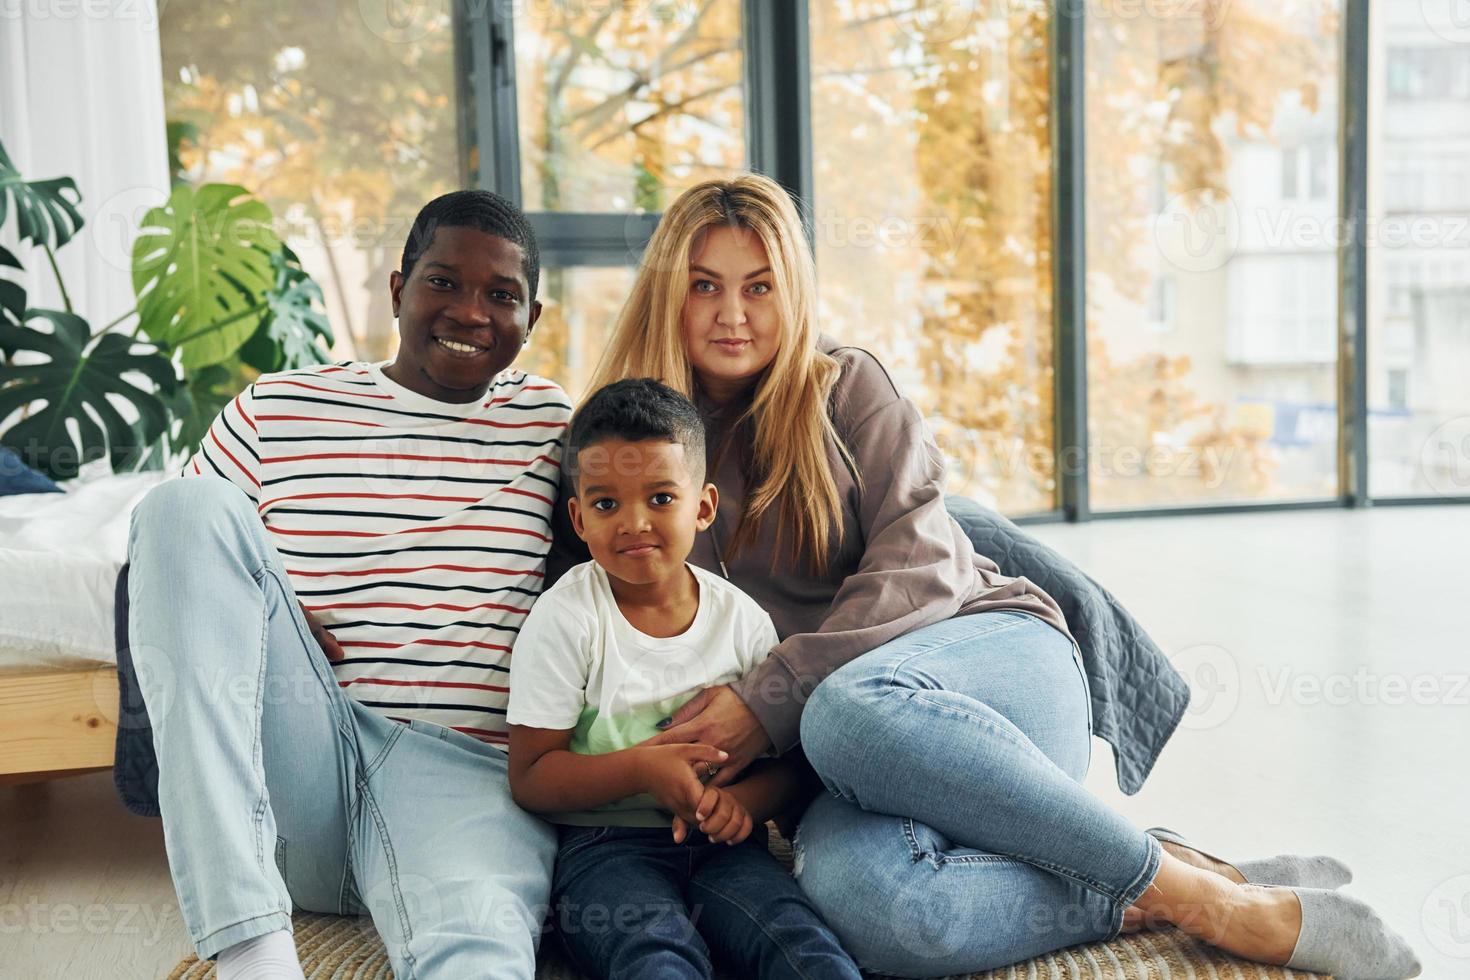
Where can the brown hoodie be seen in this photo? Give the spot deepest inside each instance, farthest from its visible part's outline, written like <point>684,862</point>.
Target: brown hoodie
<point>902,562</point>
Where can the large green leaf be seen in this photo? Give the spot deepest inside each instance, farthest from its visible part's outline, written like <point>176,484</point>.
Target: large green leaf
<point>12,296</point>
<point>202,271</point>
<point>196,404</point>
<point>43,212</point>
<point>288,337</point>
<point>77,384</point>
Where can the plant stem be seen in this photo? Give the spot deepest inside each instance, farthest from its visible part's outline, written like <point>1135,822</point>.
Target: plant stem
<point>56,270</point>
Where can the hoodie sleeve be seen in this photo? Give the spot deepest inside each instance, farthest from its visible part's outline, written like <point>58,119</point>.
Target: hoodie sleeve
<point>913,570</point>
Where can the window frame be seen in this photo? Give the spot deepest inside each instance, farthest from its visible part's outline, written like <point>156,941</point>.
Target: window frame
<point>777,70</point>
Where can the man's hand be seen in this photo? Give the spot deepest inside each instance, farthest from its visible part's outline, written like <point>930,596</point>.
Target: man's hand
<point>672,774</point>
<point>720,817</point>
<point>717,716</point>
<point>323,636</point>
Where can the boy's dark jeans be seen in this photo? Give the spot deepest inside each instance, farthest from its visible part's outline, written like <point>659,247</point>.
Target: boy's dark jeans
<point>629,902</point>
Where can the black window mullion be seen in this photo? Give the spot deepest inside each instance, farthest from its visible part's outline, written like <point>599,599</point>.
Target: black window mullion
<point>1069,257</point>
<point>1352,260</point>
<point>778,103</point>
<point>486,34</point>
<point>587,239</point>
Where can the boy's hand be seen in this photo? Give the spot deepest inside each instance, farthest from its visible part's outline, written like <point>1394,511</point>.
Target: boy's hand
<point>671,774</point>
<point>720,817</point>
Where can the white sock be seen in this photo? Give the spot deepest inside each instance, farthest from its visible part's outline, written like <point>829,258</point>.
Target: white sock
<point>268,957</point>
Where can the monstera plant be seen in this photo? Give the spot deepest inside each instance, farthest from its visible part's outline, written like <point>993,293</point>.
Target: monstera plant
<point>219,298</point>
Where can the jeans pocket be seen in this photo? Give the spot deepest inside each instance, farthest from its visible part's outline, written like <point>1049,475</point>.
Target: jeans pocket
<point>574,840</point>
<point>281,861</point>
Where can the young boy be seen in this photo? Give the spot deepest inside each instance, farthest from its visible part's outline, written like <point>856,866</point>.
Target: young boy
<point>647,851</point>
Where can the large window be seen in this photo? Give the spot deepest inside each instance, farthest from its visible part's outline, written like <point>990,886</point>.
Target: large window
<point>1418,258</point>
<point>345,133</point>
<point>1211,201</point>
<point>622,105</point>
<point>936,171</point>
<point>931,149</point>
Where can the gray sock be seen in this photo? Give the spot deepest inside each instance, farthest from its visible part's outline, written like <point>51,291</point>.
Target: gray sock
<point>1307,870</point>
<point>1344,937</point>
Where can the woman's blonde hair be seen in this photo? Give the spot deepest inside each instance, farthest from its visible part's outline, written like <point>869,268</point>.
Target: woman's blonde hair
<point>788,414</point>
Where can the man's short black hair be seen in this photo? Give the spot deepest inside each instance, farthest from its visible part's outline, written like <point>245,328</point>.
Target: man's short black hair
<point>484,210</point>
<point>636,409</point>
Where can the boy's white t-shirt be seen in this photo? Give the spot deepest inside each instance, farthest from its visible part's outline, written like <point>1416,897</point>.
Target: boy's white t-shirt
<point>578,663</point>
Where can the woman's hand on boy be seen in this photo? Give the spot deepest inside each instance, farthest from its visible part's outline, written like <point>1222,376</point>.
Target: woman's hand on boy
<point>717,716</point>
<point>674,774</point>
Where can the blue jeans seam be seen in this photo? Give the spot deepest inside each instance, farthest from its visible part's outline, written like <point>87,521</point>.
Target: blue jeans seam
<point>793,962</point>
<point>257,751</point>
<point>377,761</point>
<point>391,858</point>
<point>999,628</point>
<point>1137,886</point>
<point>202,940</point>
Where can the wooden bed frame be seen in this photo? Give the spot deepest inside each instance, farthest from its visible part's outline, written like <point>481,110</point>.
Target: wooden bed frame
<point>56,723</point>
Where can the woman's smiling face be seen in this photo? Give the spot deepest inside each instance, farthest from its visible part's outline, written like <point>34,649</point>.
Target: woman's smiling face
<point>731,319</point>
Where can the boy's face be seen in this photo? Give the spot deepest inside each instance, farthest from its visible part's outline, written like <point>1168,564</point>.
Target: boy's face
<point>638,507</point>
<point>468,289</point>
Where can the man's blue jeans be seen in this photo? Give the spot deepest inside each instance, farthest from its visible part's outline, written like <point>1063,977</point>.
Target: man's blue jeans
<point>276,788</point>
<point>632,903</point>
<point>956,835</point>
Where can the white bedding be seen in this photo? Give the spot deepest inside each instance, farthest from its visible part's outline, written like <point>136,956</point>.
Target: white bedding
<point>59,558</point>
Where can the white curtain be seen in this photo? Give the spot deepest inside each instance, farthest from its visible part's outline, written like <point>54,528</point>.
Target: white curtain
<point>81,96</point>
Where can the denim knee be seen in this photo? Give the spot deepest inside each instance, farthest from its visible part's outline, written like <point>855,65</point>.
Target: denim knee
<point>835,718</point>
<point>190,511</point>
<point>184,504</point>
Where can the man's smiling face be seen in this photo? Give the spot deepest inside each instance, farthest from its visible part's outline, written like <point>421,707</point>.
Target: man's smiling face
<point>464,312</point>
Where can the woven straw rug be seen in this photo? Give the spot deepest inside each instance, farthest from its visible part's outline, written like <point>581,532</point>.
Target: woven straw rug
<point>341,948</point>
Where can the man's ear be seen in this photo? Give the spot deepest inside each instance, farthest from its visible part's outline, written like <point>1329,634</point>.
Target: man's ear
<point>395,288</point>
<point>709,504</point>
<point>574,508</point>
<point>535,315</point>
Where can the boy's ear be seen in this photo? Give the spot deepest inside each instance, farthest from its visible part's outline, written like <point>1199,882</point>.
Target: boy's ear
<point>395,288</point>
<point>709,503</point>
<point>574,508</point>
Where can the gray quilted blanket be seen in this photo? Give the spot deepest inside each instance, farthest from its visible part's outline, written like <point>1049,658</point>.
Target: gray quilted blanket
<point>1137,695</point>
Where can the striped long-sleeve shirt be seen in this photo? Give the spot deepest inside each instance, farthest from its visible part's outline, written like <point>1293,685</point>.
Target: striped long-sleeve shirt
<point>415,530</point>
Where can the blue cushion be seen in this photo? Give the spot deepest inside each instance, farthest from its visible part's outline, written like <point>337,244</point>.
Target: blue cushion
<point>17,477</point>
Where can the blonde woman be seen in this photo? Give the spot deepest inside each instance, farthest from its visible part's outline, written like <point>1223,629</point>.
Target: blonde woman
<point>943,704</point>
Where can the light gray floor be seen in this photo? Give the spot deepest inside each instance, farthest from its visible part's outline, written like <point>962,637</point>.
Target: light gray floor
<point>1328,649</point>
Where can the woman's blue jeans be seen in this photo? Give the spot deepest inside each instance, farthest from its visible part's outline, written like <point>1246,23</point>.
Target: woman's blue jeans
<point>957,835</point>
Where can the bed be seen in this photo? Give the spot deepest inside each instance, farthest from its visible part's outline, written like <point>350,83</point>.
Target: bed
<point>59,559</point>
